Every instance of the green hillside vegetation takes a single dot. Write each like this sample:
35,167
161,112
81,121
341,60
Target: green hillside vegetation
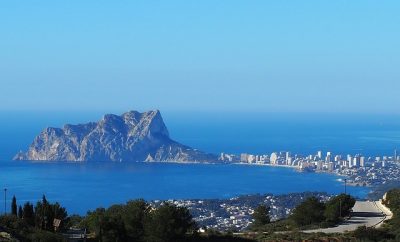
134,221
312,214
392,201
35,222
138,221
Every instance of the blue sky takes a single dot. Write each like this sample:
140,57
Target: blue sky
265,56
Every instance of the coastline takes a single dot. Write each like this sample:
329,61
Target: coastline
341,180
265,164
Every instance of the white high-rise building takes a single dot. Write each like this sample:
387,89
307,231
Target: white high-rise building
287,156
289,161
243,157
356,161
328,156
362,161
251,158
319,154
349,158
273,158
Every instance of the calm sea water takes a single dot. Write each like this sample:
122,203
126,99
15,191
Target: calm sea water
83,187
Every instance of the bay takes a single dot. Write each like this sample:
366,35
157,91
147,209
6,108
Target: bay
83,187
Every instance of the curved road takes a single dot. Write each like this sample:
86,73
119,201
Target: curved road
365,213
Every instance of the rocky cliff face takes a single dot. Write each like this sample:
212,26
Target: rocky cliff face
133,136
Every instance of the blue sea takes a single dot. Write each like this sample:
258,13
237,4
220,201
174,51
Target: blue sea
81,187
84,187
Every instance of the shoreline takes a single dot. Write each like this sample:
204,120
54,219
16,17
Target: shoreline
258,164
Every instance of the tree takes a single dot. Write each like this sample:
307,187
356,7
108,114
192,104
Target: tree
14,206
58,212
20,212
113,228
311,211
74,221
137,221
47,212
94,221
118,222
338,207
133,216
261,216
392,200
41,212
168,223
28,214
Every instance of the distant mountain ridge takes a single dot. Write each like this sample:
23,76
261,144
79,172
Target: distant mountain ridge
132,136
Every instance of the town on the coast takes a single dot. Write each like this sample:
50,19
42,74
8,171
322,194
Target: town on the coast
234,214
357,169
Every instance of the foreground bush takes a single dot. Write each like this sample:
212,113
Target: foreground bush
137,221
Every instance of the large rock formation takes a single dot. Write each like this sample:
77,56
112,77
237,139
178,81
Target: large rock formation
133,136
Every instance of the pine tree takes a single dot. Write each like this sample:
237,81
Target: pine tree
29,214
261,216
14,206
168,223
311,211
44,200
20,212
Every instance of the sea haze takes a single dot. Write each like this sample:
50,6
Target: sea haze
371,135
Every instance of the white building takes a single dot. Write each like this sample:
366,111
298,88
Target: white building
319,154
356,161
251,159
273,158
328,156
243,157
362,161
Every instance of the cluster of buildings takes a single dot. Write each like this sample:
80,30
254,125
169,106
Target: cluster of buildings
218,215
359,169
319,161
373,175
235,214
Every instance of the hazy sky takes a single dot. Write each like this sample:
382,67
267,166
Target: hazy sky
289,56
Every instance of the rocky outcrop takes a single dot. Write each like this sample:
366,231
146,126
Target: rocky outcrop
133,136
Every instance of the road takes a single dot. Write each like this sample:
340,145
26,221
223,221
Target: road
365,213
